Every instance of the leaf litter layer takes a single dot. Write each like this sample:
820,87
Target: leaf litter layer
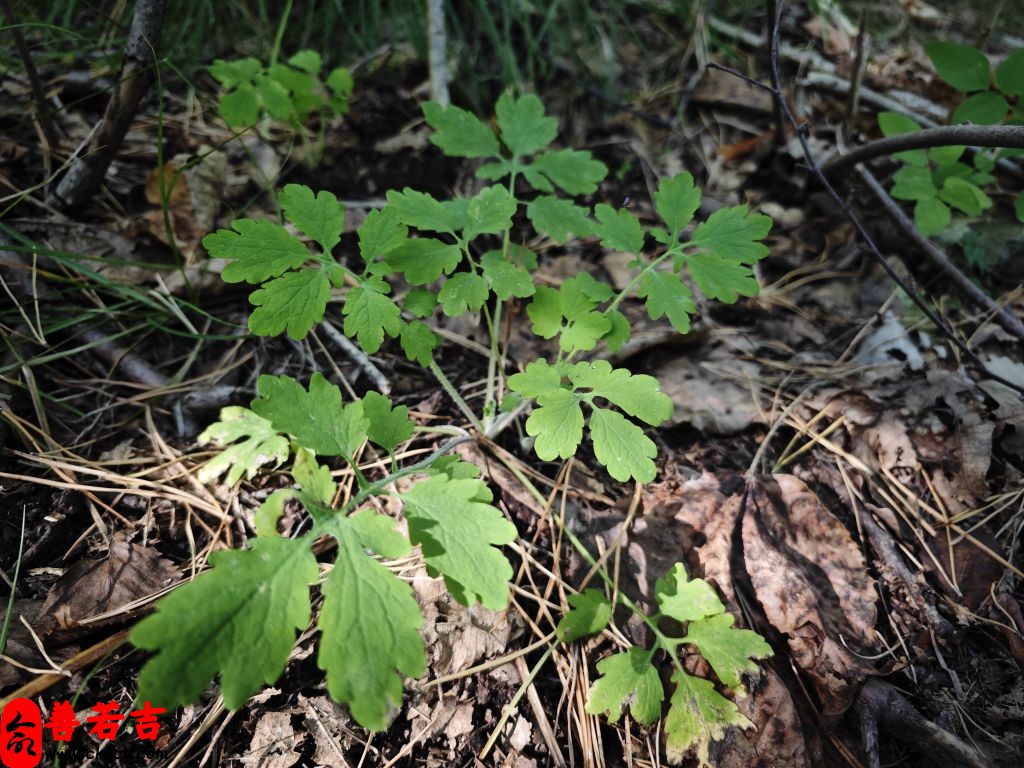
875,524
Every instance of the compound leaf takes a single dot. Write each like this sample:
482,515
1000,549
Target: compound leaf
369,314
686,600
525,128
388,426
423,259
370,622
308,61
964,67
559,218
419,342
261,445
729,650
676,200
295,302
721,278
459,133
557,425
669,297
462,292
315,417
576,172
619,229
506,279
622,447
734,233
627,679
589,614
697,715
219,623
257,249
321,217
458,535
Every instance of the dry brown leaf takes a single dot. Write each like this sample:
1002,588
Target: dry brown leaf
810,578
93,587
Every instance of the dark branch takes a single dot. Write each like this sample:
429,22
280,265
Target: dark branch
1010,136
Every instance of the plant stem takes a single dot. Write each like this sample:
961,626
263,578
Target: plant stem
632,283
275,52
453,393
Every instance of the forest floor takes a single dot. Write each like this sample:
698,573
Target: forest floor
846,476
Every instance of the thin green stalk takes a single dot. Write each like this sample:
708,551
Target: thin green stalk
275,52
14,585
453,393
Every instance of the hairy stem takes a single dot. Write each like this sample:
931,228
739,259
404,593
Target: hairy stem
453,393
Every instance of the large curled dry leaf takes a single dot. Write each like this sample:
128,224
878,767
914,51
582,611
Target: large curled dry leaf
810,578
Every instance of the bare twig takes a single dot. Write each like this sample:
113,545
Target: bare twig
882,703
82,180
1010,136
938,256
357,356
44,118
857,79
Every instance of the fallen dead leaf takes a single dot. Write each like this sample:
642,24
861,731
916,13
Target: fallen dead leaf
92,588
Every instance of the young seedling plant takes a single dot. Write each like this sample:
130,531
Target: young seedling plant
419,257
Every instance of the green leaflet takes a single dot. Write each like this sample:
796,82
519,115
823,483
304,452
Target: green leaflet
388,427
459,133
370,623
627,678
697,716
218,624
315,416
370,313
667,297
676,200
559,218
294,302
525,129
257,250
590,613
320,216
458,535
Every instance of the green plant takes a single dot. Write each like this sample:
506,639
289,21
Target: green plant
290,92
697,713
462,260
938,179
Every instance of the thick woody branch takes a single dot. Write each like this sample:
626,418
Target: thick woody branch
1009,136
83,179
